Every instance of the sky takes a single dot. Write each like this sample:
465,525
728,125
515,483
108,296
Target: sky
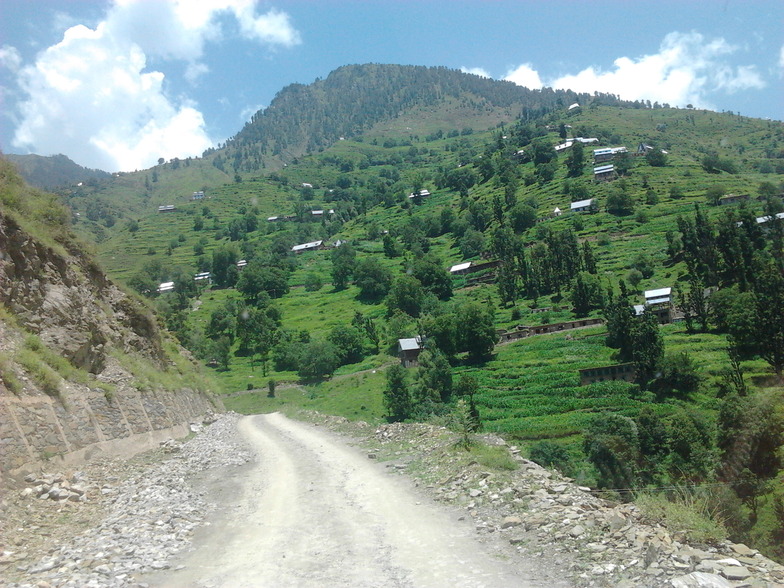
115,85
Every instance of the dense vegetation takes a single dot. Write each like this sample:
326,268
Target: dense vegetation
705,414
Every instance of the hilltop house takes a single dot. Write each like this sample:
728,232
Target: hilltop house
620,371
167,208
420,194
198,195
165,287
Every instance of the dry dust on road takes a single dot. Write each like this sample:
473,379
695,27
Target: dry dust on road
312,511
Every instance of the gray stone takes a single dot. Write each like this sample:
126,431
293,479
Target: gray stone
700,580
577,530
511,521
735,572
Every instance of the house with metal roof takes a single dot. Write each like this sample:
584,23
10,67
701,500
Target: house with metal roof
607,153
312,246
582,205
165,287
604,173
659,302
408,351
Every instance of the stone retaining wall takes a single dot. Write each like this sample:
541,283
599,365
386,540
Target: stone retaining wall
35,428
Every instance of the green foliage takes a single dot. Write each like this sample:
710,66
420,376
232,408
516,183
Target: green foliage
611,444
687,512
319,358
372,278
397,398
550,455
677,375
348,343
7,375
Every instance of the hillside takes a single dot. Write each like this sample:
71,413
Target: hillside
84,366
319,328
53,172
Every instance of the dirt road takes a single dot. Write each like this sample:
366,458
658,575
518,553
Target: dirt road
315,512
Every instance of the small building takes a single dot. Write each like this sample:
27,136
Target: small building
659,302
165,287
556,212
408,351
321,213
761,220
607,153
306,185
274,219
242,263
586,140
203,277
604,173
460,268
419,194
733,198
582,205
643,148
167,208
312,246
573,107
563,146
198,195
608,373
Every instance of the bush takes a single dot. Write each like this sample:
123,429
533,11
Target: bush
685,512
550,455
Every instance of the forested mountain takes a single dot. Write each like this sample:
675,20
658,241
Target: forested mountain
53,172
354,98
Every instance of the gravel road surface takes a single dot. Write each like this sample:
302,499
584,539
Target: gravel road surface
313,511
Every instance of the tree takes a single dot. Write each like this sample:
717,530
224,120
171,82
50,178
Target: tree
647,346
319,358
256,279
677,374
522,217
343,260
476,334
224,259
373,279
586,294
611,443
407,295
433,276
256,330
656,158
620,203
575,160
434,377
466,388
348,343
397,398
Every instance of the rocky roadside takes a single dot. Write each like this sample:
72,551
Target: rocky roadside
544,514
113,520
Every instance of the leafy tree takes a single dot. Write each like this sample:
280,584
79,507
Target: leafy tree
522,217
348,343
407,295
586,294
319,358
343,261
677,374
656,158
476,334
647,346
690,441
256,330
433,276
714,193
576,160
397,398
550,455
434,377
620,203
224,270
619,318
653,443
467,388
257,278
313,282
472,243
373,279
611,443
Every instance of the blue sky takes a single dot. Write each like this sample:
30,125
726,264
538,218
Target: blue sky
115,85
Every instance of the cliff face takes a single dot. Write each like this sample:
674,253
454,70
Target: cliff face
57,304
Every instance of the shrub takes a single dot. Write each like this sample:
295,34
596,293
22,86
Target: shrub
550,454
688,513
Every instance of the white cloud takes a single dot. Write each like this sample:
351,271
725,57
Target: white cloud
524,75
477,71
91,96
781,57
685,69
10,58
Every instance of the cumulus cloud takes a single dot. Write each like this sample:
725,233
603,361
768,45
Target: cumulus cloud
477,71
524,75
10,58
686,69
91,96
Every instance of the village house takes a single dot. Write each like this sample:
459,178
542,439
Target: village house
470,267
312,246
198,195
582,205
242,263
607,373
604,173
165,287
607,153
167,208
659,302
203,277
733,198
420,194
408,351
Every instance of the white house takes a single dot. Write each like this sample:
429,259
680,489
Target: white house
581,205
312,246
166,208
607,153
166,287
604,173
460,268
